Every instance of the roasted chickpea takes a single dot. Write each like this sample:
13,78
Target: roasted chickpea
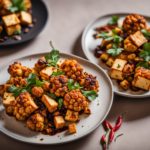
37,91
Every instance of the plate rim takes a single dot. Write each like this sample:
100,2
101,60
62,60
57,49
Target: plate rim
34,35
90,131
84,49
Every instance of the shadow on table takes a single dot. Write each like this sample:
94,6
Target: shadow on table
137,108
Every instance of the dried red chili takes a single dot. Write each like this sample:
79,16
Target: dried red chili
112,133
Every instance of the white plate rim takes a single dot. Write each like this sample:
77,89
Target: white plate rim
84,49
110,105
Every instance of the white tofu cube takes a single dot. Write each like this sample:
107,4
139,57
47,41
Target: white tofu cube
71,116
10,20
142,83
72,128
47,72
25,18
7,98
117,68
50,103
59,122
105,57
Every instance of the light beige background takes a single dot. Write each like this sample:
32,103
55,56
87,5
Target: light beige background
67,21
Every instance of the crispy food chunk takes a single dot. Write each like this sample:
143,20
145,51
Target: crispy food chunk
25,18
89,82
75,100
58,85
105,57
110,61
129,46
28,4
23,106
36,122
37,91
47,72
11,29
29,71
117,69
16,69
72,69
87,110
46,87
41,63
125,84
1,90
128,69
50,103
72,128
138,38
10,20
1,29
133,23
71,116
59,122
7,98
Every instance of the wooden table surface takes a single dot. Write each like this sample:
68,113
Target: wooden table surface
67,20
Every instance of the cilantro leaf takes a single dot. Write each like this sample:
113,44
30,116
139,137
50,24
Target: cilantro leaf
91,95
31,80
52,95
39,83
71,86
119,65
114,51
146,34
53,58
85,72
114,31
114,20
17,32
57,73
143,64
60,102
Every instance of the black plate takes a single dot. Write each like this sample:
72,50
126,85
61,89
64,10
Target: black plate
40,13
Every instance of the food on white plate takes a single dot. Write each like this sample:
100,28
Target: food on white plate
49,94
125,48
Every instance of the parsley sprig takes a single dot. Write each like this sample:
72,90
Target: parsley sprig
31,81
53,58
145,54
57,73
17,6
72,86
146,34
114,20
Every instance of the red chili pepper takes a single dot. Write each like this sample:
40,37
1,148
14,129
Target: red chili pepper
107,125
112,133
104,142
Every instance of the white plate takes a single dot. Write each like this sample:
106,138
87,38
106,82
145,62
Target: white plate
16,129
89,44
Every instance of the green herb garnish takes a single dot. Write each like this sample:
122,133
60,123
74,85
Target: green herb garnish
17,6
72,86
114,20
17,32
118,136
114,51
53,58
60,102
57,73
146,34
52,95
85,72
31,81
91,95
119,65
145,54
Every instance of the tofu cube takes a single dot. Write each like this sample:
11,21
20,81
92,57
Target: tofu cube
72,128
110,62
59,63
47,72
10,20
7,98
71,116
10,30
50,103
1,90
59,122
117,68
87,110
6,3
131,56
142,83
104,43
105,57
125,84
138,38
28,4
25,18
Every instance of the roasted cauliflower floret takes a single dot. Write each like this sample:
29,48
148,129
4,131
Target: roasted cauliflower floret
128,68
16,69
129,46
140,71
46,87
133,23
89,83
36,122
58,85
23,106
75,100
72,69
29,71
40,65
37,91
